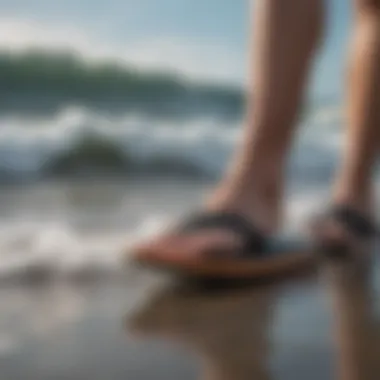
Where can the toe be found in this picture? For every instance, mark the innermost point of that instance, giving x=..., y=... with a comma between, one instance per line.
x=187, y=247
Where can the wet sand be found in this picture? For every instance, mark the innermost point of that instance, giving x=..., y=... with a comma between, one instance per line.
x=141, y=327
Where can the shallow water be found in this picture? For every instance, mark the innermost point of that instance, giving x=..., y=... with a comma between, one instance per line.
x=64, y=227
x=71, y=311
x=148, y=327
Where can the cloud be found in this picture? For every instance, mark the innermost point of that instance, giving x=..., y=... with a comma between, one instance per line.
x=18, y=34
x=197, y=59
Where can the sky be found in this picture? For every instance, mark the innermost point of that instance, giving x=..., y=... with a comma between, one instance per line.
x=202, y=39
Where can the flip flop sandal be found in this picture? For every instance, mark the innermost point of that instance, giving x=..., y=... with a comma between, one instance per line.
x=257, y=256
x=358, y=225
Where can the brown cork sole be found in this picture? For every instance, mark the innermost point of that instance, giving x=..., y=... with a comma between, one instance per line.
x=234, y=268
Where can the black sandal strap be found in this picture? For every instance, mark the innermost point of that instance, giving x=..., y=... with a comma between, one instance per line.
x=354, y=221
x=254, y=242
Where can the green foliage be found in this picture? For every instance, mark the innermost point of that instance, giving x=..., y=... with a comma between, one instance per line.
x=66, y=75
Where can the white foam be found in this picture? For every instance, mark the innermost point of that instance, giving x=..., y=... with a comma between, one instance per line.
x=56, y=250
x=27, y=144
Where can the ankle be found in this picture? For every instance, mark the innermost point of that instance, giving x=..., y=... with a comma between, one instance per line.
x=246, y=190
x=362, y=201
x=260, y=204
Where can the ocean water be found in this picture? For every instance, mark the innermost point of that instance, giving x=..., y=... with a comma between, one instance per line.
x=79, y=140
x=62, y=116
x=80, y=186
x=95, y=156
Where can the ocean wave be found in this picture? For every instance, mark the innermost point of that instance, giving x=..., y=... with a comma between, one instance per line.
x=89, y=154
x=79, y=141
x=94, y=155
x=34, y=253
